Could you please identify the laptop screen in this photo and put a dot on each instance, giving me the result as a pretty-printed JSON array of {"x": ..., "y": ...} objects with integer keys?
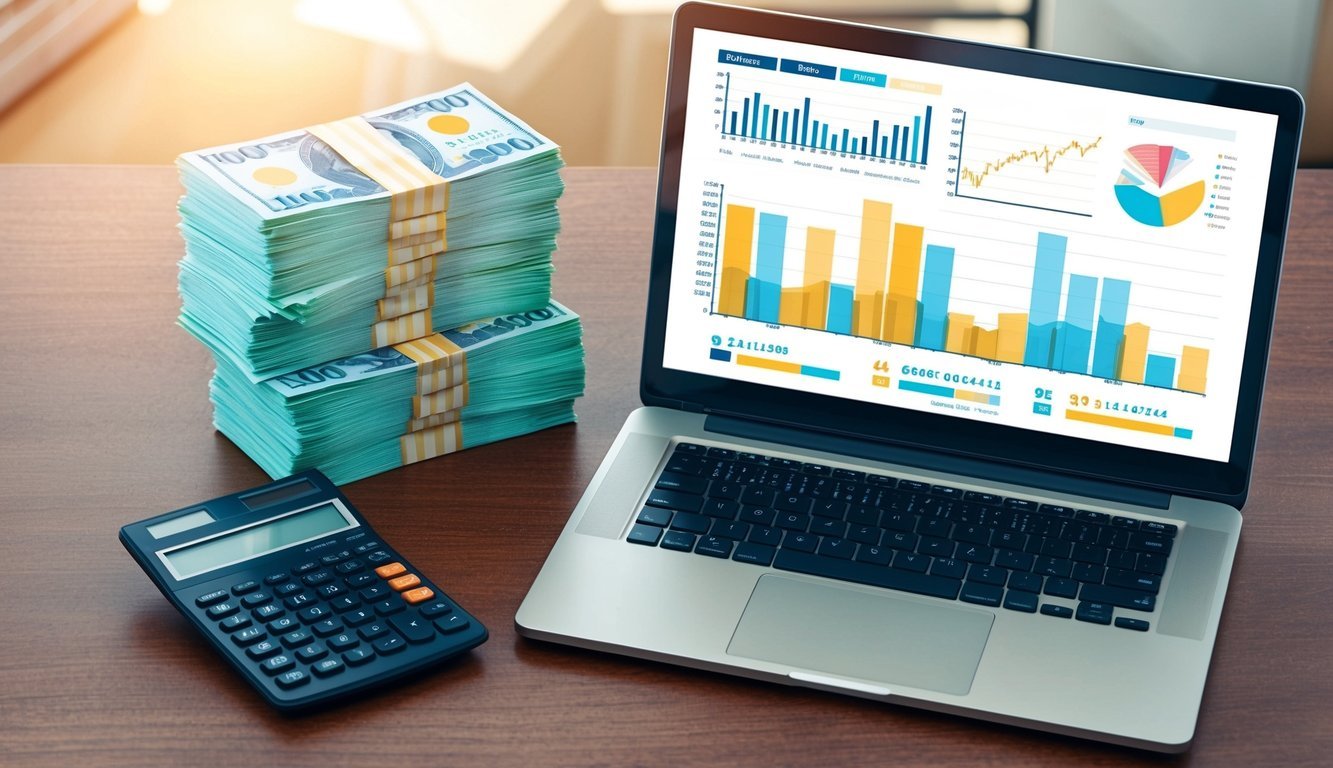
[{"x": 983, "y": 246}]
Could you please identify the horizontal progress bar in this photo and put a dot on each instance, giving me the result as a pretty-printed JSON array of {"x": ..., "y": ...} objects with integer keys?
[
  {"x": 949, "y": 392},
  {"x": 1122, "y": 423}
]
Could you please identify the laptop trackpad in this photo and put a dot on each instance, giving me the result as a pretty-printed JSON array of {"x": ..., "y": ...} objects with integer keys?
[{"x": 864, "y": 636}]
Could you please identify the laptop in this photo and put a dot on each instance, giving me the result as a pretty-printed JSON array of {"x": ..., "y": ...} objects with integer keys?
[{"x": 951, "y": 377}]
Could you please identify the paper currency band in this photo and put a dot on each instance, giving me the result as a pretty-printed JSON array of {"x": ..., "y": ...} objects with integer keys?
[
  {"x": 440, "y": 401},
  {"x": 405, "y": 302},
  {"x": 419, "y": 200},
  {"x": 431, "y": 442},
  {"x": 441, "y": 364},
  {"x": 434, "y": 420}
]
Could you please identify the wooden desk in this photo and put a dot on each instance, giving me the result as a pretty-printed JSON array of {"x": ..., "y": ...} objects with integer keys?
[{"x": 104, "y": 419}]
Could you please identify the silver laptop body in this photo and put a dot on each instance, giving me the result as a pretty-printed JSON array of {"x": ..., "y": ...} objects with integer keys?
[{"x": 768, "y": 397}]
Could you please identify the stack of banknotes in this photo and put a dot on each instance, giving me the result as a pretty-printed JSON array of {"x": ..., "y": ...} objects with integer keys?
[{"x": 433, "y": 219}]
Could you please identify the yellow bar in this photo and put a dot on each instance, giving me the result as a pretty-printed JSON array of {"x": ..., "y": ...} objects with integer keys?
[
  {"x": 975, "y": 397},
  {"x": 1013, "y": 337},
  {"x": 1134, "y": 353},
  {"x": 986, "y": 343},
  {"x": 737, "y": 245},
  {"x": 933, "y": 89},
  {"x": 904, "y": 276},
  {"x": 772, "y": 365},
  {"x": 956, "y": 337},
  {"x": 879, "y": 381},
  {"x": 870, "y": 268},
  {"x": 1122, "y": 423},
  {"x": 1193, "y": 369},
  {"x": 818, "y": 275},
  {"x": 791, "y": 309}
]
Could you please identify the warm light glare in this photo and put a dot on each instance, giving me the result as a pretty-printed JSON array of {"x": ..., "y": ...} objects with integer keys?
[{"x": 154, "y": 7}]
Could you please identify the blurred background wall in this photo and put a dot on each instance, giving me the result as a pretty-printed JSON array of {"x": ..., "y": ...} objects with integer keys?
[{"x": 119, "y": 81}]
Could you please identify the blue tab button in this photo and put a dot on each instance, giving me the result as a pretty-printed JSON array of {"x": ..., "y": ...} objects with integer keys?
[
  {"x": 809, "y": 70},
  {"x": 747, "y": 60},
  {"x": 865, "y": 78}
]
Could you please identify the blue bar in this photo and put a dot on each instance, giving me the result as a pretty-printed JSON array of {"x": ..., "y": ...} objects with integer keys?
[
  {"x": 902, "y": 150},
  {"x": 925, "y": 138},
  {"x": 874, "y": 136},
  {"x": 814, "y": 134},
  {"x": 754, "y": 121},
  {"x": 839, "y": 309},
  {"x": 784, "y": 128},
  {"x": 895, "y": 142},
  {"x": 864, "y": 78},
  {"x": 1160, "y": 371},
  {"x": 719, "y": 354},
  {"x": 823, "y": 71},
  {"x": 845, "y": 140},
  {"x": 1074, "y": 339},
  {"x": 916, "y": 136},
  {"x": 823, "y": 138},
  {"x": 1182, "y": 432},
  {"x": 733, "y": 122},
  {"x": 932, "y": 330},
  {"x": 768, "y": 266},
  {"x": 796, "y": 126},
  {"x": 834, "y": 148},
  {"x": 805, "y": 124},
  {"x": 1110, "y": 327},
  {"x": 883, "y": 146},
  {"x": 747, "y": 60},
  {"x": 938, "y": 391},
  {"x": 1047, "y": 277},
  {"x": 745, "y": 118},
  {"x": 855, "y": 146},
  {"x": 1041, "y": 409},
  {"x": 763, "y": 132},
  {"x": 820, "y": 373},
  {"x": 773, "y": 129}
]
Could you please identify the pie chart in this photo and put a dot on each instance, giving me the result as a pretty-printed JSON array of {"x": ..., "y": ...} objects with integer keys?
[{"x": 1150, "y": 190}]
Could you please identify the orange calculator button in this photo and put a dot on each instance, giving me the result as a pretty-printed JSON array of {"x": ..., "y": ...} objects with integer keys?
[
  {"x": 418, "y": 595},
  {"x": 405, "y": 582},
  {"x": 392, "y": 569}
]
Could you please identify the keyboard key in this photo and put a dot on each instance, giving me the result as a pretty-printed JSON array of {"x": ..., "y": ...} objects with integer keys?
[
  {"x": 881, "y": 480},
  {"x": 1018, "y": 561},
  {"x": 1124, "y": 522},
  {"x": 1058, "y": 611},
  {"x": 454, "y": 622},
  {"x": 1022, "y": 505},
  {"x": 863, "y": 573},
  {"x": 1157, "y": 527},
  {"x": 1058, "y": 587},
  {"x": 690, "y": 523},
  {"x": 903, "y": 541},
  {"x": 388, "y": 607},
  {"x": 727, "y": 529},
  {"x": 223, "y": 610},
  {"x": 825, "y": 527},
  {"x": 344, "y": 603},
  {"x": 358, "y": 656},
  {"x": 839, "y": 548},
  {"x": 255, "y": 600},
  {"x": 331, "y": 590},
  {"x": 910, "y": 561},
  {"x": 793, "y": 521},
  {"x": 276, "y": 664},
  {"x": 1087, "y": 573},
  {"x": 729, "y": 491},
  {"x": 1025, "y": 582},
  {"x": 372, "y": 631},
  {"x": 1096, "y": 613},
  {"x": 1151, "y": 562},
  {"x": 713, "y": 546},
  {"x": 987, "y": 574},
  {"x": 1100, "y": 518},
  {"x": 318, "y": 577},
  {"x": 292, "y": 679},
  {"x": 1090, "y": 553},
  {"x": 1120, "y": 558},
  {"x": 865, "y": 534},
  {"x": 314, "y": 613},
  {"x": 1144, "y": 582},
  {"x": 972, "y": 534},
  {"x": 769, "y": 537},
  {"x": 297, "y": 638},
  {"x": 935, "y": 547},
  {"x": 359, "y": 616},
  {"x": 690, "y": 448},
  {"x": 326, "y": 628},
  {"x": 758, "y": 516},
  {"x": 1124, "y": 598},
  {"x": 982, "y": 498},
  {"x": 1149, "y": 542},
  {"x": 645, "y": 534},
  {"x": 283, "y": 590},
  {"x": 1053, "y": 566},
  {"x": 758, "y": 496},
  {"x": 1020, "y": 601},
  {"x": 262, "y": 650},
  {"x": 283, "y": 625},
  {"x": 755, "y": 554},
  {"x": 1138, "y": 625},
  {"x": 276, "y": 578},
  {"x": 351, "y": 566},
  {"x": 981, "y": 594},
  {"x": 249, "y": 636},
  {"x": 722, "y": 509},
  {"x": 342, "y": 641},
  {"x": 671, "y": 481},
  {"x": 239, "y": 621},
  {"x": 414, "y": 629},
  {"x": 679, "y": 541},
  {"x": 948, "y": 567},
  {"x": 788, "y": 502},
  {"x": 655, "y": 516},
  {"x": 682, "y": 502},
  {"x": 327, "y": 667},
  {"x": 974, "y": 553},
  {"x": 311, "y": 653}
]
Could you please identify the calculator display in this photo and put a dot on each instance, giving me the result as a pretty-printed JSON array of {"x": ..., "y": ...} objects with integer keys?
[{"x": 261, "y": 538}]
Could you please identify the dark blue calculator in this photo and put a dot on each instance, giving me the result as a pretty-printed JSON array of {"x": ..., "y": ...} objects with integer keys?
[{"x": 296, "y": 590}]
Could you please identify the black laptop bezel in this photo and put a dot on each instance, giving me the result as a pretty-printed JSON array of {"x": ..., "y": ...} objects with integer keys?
[{"x": 1222, "y": 481}]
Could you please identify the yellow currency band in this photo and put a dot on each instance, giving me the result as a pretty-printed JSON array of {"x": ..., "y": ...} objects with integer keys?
[
  {"x": 431, "y": 442},
  {"x": 405, "y": 301},
  {"x": 434, "y": 420}
]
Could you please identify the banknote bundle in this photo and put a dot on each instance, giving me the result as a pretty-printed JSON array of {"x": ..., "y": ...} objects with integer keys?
[
  {"x": 368, "y": 413},
  {"x": 422, "y": 232}
]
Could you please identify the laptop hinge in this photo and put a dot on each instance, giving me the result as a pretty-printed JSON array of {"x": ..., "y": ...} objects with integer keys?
[{"x": 957, "y": 465}]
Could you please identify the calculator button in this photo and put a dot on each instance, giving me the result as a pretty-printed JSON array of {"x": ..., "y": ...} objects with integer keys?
[
  {"x": 239, "y": 621},
  {"x": 371, "y": 594},
  {"x": 327, "y": 627},
  {"x": 390, "y": 644},
  {"x": 405, "y": 582},
  {"x": 266, "y": 612},
  {"x": 331, "y": 590},
  {"x": 249, "y": 636},
  {"x": 342, "y": 642},
  {"x": 327, "y": 667},
  {"x": 287, "y": 589},
  {"x": 389, "y": 607},
  {"x": 414, "y": 628},
  {"x": 296, "y": 639},
  {"x": 318, "y": 577},
  {"x": 358, "y": 617},
  {"x": 258, "y": 598},
  {"x": 436, "y": 608},
  {"x": 203, "y": 601},
  {"x": 372, "y": 631},
  {"x": 330, "y": 559},
  {"x": 276, "y": 578},
  {"x": 262, "y": 650},
  {"x": 379, "y": 556},
  {"x": 283, "y": 625},
  {"x": 360, "y": 580},
  {"x": 451, "y": 623},
  {"x": 418, "y": 595},
  {"x": 358, "y": 656},
  {"x": 293, "y": 679},
  {"x": 305, "y": 568},
  {"x": 311, "y": 653},
  {"x": 314, "y": 613},
  {"x": 351, "y": 566},
  {"x": 245, "y": 586},
  {"x": 344, "y": 603},
  {"x": 280, "y": 663},
  {"x": 299, "y": 601},
  {"x": 390, "y": 570},
  {"x": 222, "y": 610},
  {"x": 364, "y": 548}
]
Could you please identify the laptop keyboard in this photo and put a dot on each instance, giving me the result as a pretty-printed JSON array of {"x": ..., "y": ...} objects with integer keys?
[{"x": 932, "y": 540}]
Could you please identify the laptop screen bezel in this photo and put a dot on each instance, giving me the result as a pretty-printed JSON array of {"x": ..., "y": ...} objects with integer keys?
[{"x": 1222, "y": 481}]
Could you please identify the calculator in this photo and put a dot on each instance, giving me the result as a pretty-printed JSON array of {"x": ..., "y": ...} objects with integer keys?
[{"x": 297, "y": 591}]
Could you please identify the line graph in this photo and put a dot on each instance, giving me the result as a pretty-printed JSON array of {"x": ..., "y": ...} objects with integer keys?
[{"x": 1024, "y": 165}]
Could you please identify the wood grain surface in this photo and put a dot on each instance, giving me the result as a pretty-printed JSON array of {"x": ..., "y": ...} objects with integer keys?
[{"x": 104, "y": 420}]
